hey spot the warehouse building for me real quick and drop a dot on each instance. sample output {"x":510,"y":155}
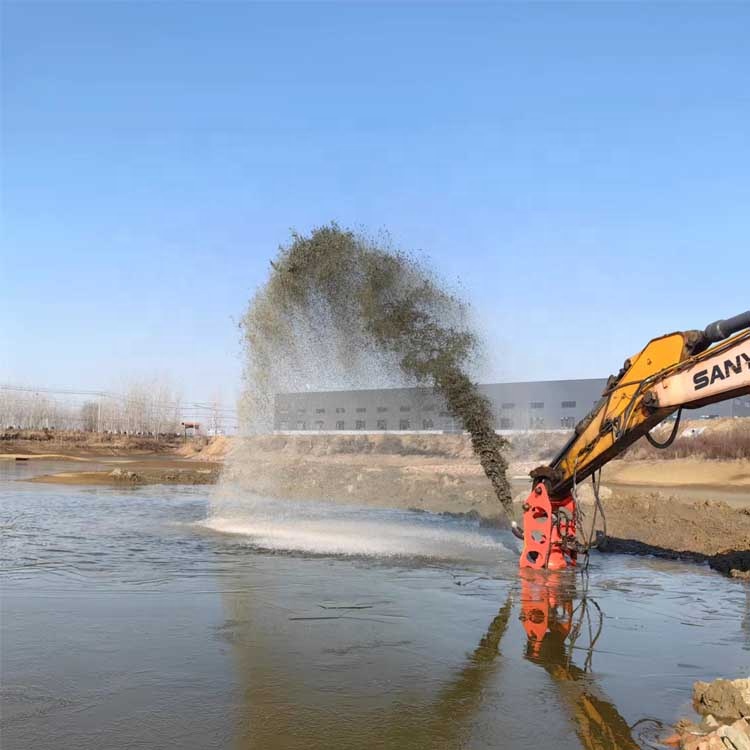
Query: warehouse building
{"x":537,"y":405}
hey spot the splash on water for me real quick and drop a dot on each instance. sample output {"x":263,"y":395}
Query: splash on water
{"x":332,"y":529}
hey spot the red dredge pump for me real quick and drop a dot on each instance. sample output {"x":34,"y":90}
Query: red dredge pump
{"x":682,"y":370}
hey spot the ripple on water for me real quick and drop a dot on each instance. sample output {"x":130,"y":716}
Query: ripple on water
{"x":280,"y":614}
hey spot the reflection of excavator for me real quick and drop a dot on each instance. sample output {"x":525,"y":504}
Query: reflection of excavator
{"x":558,"y":623}
{"x":686,"y":369}
{"x":553,"y":626}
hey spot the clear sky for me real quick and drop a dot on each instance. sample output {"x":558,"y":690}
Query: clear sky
{"x":582,"y":169}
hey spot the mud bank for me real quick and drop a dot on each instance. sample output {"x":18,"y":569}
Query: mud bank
{"x":136,"y":473}
{"x":72,"y":444}
{"x":439,"y":473}
{"x":656,"y":523}
{"x":660,"y":524}
{"x":681,"y":472}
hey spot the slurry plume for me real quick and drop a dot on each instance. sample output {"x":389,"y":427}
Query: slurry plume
{"x":340,"y":311}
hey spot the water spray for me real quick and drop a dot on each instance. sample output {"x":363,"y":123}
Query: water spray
{"x":364,"y":303}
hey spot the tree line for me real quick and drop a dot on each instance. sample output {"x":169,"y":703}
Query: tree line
{"x":145,"y":408}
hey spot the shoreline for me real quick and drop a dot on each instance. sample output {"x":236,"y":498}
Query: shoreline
{"x":700,"y":511}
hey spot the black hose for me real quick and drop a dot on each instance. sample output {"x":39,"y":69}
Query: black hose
{"x":671,"y":438}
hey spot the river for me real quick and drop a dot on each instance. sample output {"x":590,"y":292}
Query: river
{"x":186,"y":617}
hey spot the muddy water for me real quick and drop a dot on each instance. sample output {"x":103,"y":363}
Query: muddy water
{"x":130,"y":618}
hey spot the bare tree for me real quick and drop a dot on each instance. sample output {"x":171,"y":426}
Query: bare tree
{"x":147,"y":407}
{"x":35,"y":411}
{"x":89,"y":411}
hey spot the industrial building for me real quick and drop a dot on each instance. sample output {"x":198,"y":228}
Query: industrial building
{"x":536,"y":405}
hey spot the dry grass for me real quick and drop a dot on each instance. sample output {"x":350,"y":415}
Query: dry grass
{"x":730,"y":443}
{"x":36,"y":440}
{"x":322,"y":444}
{"x":539,"y":445}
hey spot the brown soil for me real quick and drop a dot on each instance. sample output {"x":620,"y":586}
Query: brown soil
{"x":83,"y":445}
{"x":660,"y":524}
{"x":214,"y":449}
{"x":134,"y":460}
{"x":134,"y":473}
{"x":680,"y":472}
{"x":439,"y":473}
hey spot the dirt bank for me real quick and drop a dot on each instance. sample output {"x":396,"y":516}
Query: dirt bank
{"x":680,"y":472}
{"x":438,"y":474}
{"x":127,"y":471}
{"x":74,"y":445}
{"x":135,"y":473}
{"x":651,"y":506}
{"x":662,"y":525}
{"x":134,"y":459}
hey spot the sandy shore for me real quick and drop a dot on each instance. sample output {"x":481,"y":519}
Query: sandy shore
{"x":689,"y":507}
{"x":139,"y":472}
{"x":681,"y":472}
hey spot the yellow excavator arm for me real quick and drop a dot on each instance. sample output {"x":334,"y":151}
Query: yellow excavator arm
{"x":682,"y":370}
{"x":686,"y":369}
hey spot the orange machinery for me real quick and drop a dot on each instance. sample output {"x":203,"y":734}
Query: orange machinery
{"x":682,"y":370}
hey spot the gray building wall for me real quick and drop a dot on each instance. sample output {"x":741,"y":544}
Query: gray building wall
{"x":546,"y":404}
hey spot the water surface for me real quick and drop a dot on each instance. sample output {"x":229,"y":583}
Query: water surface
{"x":138,"y":618}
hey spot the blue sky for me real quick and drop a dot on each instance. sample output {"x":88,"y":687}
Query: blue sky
{"x":581,"y":170}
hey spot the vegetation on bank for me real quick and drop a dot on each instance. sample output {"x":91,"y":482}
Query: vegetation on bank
{"x":33,"y":441}
{"x":726,"y":441}
{"x":151,"y":406}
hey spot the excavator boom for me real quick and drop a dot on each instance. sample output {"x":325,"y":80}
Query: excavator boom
{"x":682,"y":370}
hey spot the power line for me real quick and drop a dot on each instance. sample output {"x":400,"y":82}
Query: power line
{"x":226,"y":411}
{"x":65,"y":391}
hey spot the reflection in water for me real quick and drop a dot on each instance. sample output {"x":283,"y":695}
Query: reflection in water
{"x":300,"y":692}
{"x":450,"y":717}
{"x":126,"y":624}
{"x":555,"y":628}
